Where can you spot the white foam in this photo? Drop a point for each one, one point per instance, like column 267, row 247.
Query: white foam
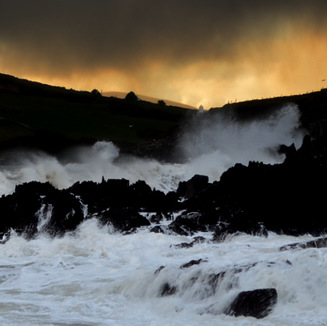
column 214, row 143
column 86, row 164
column 96, row 277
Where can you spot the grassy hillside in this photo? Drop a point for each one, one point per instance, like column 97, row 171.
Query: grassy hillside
column 52, row 118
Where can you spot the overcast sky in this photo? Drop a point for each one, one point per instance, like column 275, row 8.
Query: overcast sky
column 195, row 51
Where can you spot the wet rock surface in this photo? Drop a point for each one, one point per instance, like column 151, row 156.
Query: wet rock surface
column 256, row 303
column 318, row 243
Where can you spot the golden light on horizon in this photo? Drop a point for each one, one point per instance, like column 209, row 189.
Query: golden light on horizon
column 274, row 55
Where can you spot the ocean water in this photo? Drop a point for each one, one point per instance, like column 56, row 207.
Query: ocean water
column 96, row 276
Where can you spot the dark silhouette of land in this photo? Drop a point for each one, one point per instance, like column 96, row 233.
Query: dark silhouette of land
column 53, row 118
column 312, row 107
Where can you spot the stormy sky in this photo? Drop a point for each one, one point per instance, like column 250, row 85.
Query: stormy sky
column 194, row 51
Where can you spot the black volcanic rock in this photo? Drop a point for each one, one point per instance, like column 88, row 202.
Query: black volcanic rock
column 284, row 198
column 190, row 222
column 18, row 210
column 257, row 303
column 123, row 218
column 187, row 224
column 99, row 196
column 24, row 210
column 193, row 186
column 66, row 213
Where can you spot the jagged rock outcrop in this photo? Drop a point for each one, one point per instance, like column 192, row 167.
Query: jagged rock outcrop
column 33, row 203
column 192, row 187
column 284, row 198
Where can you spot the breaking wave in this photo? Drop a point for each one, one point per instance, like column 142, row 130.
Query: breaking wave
column 208, row 145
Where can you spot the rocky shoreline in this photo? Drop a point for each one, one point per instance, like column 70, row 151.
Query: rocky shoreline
column 285, row 198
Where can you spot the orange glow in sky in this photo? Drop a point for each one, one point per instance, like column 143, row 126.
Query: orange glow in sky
column 219, row 53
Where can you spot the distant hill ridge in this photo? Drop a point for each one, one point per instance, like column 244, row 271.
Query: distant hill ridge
column 16, row 85
column 148, row 99
column 52, row 118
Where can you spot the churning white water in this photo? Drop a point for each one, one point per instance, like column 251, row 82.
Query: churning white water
column 95, row 276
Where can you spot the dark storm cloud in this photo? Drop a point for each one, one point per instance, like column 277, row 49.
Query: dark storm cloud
column 58, row 35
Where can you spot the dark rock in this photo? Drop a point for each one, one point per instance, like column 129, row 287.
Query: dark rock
column 159, row 229
column 167, row 289
column 187, row 224
column 66, row 213
column 18, row 211
column 318, row 243
column 279, row 197
column 100, row 196
column 22, row 211
column 158, row 270
column 257, row 303
column 156, row 218
column 239, row 222
column 253, row 199
column 193, row 186
column 289, row 151
column 192, row 263
column 123, row 219
column 196, row 240
column 140, row 194
column 190, row 222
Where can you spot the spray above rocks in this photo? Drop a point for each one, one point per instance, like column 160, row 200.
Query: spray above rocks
column 213, row 142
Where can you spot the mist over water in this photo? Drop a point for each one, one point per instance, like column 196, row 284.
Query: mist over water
column 209, row 145
column 90, row 163
column 214, row 143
